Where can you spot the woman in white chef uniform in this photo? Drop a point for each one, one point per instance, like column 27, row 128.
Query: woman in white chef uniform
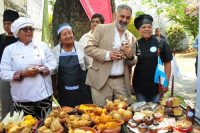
column 27, row 65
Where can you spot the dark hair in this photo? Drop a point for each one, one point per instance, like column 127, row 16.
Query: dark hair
column 101, row 18
column 10, row 15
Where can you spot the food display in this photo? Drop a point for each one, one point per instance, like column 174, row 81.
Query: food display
column 74, row 121
column 121, row 114
column 142, row 127
column 18, row 123
column 148, row 118
column 89, row 118
column 86, row 107
column 1, row 127
column 29, row 121
column 177, row 111
column 51, row 125
column 158, row 116
column 184, row 125
column 170, row 102
column 120, row 103
column 139, row 117
column 171, row 106
column 160, row 109
column 83, row 130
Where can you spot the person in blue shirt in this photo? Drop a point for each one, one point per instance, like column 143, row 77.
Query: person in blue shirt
column 195, row 45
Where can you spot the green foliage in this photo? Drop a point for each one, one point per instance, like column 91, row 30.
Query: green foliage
column 176, row 12
column 52, row 2
column 175, row 34
column 132, row 29
column 138, row 13
column 50, row 18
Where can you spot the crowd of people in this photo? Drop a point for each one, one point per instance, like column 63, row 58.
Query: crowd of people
column 91, row 70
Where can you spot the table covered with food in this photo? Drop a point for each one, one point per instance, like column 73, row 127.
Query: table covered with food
column 115, row 117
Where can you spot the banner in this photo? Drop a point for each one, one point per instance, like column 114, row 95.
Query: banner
column 102, row 7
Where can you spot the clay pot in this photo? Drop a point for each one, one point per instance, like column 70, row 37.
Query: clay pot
column 88, row 129
column 61, row 130
column 114, row 130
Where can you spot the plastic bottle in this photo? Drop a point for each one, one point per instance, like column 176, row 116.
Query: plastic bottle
column 190, row 114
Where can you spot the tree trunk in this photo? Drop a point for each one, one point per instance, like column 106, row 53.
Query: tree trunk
column 113, row 5
column 72, row 12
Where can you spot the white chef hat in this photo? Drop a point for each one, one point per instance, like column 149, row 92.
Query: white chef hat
column 21, row 23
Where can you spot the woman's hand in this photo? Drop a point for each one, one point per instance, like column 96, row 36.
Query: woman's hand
column 30, row 72
column 44, row 70
column 115, row 55
column 127, row 51
column 163, row 89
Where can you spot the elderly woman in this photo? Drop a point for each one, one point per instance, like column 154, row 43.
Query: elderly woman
column 72, row 90
column 27, row 65
column 147, row 52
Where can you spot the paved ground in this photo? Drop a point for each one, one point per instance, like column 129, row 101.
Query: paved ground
column 185, row 85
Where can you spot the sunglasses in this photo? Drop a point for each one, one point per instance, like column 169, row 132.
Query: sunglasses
column 26, row 29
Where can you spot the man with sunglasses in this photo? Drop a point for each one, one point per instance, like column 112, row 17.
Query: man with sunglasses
column 7, row 38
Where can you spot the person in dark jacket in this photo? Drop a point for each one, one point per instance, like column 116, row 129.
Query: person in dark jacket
column 7, row 38
column 158, row 34
column 147, row 49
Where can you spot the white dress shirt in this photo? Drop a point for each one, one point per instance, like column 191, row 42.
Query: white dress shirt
column 18, row 57
column 118, row 65
column 83, row 41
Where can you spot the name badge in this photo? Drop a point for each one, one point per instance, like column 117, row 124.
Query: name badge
column 153, row 49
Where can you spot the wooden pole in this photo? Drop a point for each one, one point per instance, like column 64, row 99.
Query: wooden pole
column 172, row 90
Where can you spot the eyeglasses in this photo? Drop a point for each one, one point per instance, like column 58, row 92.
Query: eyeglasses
column 26, row 29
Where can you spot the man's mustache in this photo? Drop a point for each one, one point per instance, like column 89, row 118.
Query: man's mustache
column 123, row 23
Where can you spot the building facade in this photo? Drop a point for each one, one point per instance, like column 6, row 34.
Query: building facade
column 29, row 8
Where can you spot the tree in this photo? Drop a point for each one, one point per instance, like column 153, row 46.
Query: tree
column 132, row 29
column 71, row 11
column 176, row 12
column 175, row 35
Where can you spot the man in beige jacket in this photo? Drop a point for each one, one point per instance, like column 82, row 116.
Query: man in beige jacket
column 109, row 74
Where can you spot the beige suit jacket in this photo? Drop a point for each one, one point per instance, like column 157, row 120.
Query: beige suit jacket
column 99, row 43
